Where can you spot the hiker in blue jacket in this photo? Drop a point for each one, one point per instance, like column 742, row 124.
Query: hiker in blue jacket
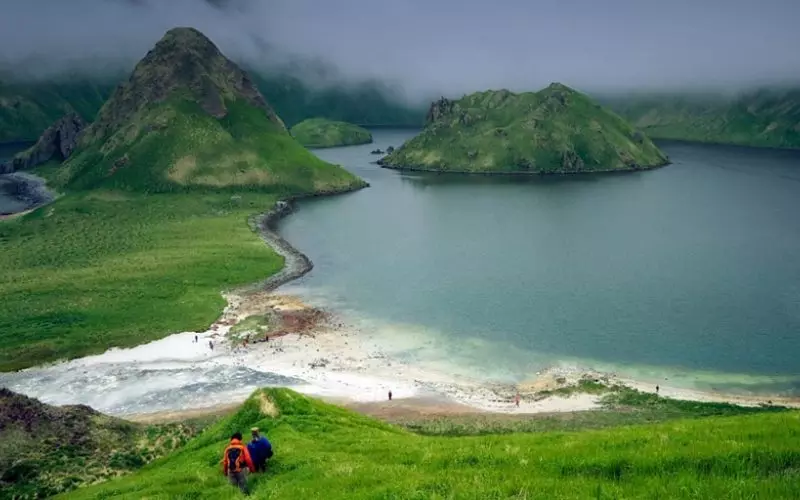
column 260, row 449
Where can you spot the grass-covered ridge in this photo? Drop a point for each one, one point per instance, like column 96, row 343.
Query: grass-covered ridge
column 323, row 451
column 555, row 130
column 323, row 133
column 762, row 118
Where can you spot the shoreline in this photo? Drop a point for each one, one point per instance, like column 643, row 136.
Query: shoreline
column 29, row 189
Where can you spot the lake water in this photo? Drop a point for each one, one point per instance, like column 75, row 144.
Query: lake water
column 689, row 272
column 8, row 203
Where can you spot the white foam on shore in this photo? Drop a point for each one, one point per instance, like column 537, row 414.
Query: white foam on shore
column 359, row 360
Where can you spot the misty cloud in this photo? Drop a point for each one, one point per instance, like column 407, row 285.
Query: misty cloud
column 430, row 46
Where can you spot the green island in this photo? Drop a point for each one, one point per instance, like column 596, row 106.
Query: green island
column 327, row 451
column 324, row 133
column 154, row 223
column 555, row 130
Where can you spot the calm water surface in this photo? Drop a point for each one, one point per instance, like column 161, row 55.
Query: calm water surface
column 9, row 204
column 690, row 271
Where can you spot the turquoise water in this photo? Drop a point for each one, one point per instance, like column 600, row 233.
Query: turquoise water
column 689, row 272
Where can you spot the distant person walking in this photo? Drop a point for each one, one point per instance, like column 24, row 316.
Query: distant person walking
column 516, row 399
column 260, row 450
column 195, row 339
column 657, row 389
column 211, row 345
column 235, row 461
column 390, row 395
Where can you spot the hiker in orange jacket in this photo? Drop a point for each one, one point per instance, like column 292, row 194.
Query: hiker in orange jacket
column 235, row 460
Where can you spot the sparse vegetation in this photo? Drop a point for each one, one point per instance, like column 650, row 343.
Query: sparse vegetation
column 46, row 450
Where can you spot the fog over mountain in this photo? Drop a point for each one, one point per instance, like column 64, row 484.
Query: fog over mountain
column 430, row 46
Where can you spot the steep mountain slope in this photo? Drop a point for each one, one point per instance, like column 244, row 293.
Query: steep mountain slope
column 367, row 103
column 45, row 450
column 189, row 117
column 324, row 133
column 322, row 451
column 555, row 130
column 764, row 118
column 28, row 108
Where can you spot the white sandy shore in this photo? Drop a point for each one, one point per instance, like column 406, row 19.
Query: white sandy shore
column 344, row 364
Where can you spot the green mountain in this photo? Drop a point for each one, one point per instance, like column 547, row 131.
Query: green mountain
column 27, row 109
column 323, row 451
column 324, row 133
column 368, row 103
column 764, row 118
column 555, row 130
column 189, row 117
column 46, row 450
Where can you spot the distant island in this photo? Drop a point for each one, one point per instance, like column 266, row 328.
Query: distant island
column 324, row 133
column 555, row 130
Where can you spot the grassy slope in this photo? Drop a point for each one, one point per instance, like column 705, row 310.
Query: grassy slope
column 109, row 268
column 109, row 265
column 27, row 109
column 175, row 146
column 767, row 118
column 46, row 450
column 324, row 133
column 502, row 132
column 326, row 452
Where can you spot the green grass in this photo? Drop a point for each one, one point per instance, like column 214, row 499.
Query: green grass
column 152, row 228
column 555, row 130
column 763, row 118
column 113, row 268
column 327, row 452
column 175, row 146
column 620, row 406
column 323, row 133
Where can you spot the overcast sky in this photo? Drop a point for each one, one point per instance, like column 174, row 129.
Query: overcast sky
column 434, row 46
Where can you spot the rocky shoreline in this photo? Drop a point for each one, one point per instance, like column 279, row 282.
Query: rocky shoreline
column 31, row 190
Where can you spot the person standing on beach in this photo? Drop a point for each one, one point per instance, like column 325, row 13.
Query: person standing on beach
column 195, row 339
column 390, row 395
column 211, row 345
column 235, row 461
column 516, row 399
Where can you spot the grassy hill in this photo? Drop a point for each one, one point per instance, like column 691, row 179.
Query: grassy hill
column 324, row 133
column 46, row 450
column 555, row 130
column 764, row 118
column 323, row 451
column 155, row 221
column 28, row 108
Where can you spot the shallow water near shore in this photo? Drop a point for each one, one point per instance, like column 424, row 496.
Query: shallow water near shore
column 688, row 273
column 685, row 276
column 8, row 203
